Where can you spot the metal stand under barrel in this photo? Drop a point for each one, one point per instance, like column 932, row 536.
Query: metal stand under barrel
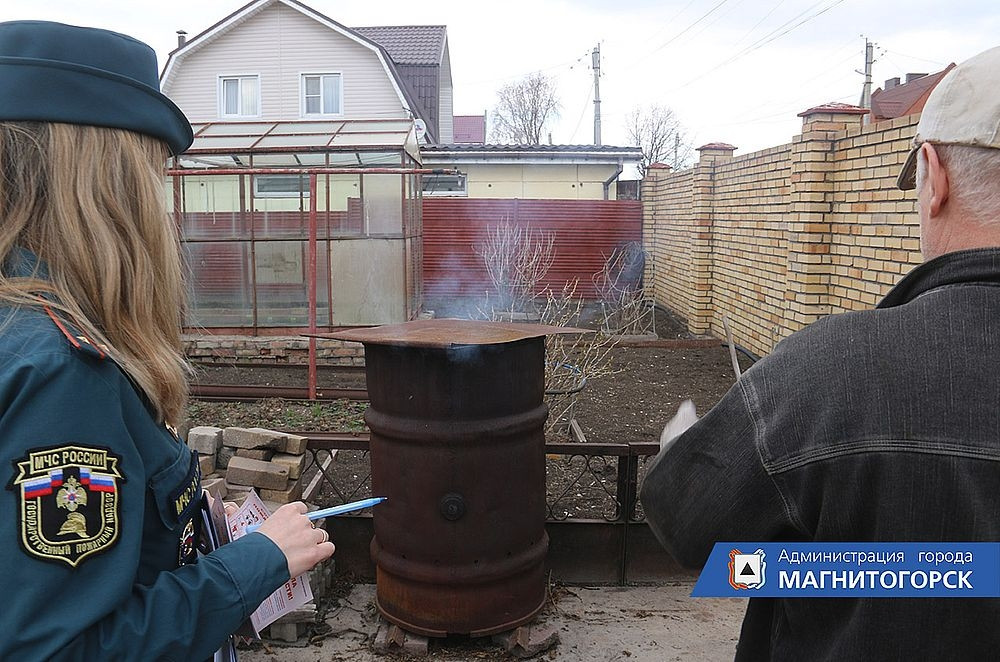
column 457, row 445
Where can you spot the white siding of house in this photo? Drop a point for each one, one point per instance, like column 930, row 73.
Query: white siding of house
column 446, row 120
column 280, row 43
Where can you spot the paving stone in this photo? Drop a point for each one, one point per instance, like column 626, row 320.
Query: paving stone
column 253, row 438
column 265, row 475
column 296, row 463
column 223, row 456
column 205, row 439
column 291, row 493
column 255, row 453
column 207, row 463
column 528, row 640
column 295, row 444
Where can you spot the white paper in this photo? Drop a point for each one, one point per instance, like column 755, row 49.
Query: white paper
column 292, row 594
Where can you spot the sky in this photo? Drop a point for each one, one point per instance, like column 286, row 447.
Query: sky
column 735, row 71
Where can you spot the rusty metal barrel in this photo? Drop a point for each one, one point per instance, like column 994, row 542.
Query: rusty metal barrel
column 457, row 445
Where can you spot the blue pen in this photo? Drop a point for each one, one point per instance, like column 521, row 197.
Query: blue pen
column 336, row 510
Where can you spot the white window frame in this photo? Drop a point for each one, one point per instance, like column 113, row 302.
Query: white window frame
column 221, row 95
column 463, row 193
column 302, row 92
column 302, row 192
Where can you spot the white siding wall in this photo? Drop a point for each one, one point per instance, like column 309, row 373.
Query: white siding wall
column 446, row 120
column 279, row 44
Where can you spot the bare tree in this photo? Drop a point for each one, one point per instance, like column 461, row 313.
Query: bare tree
column 657, row 131
column 524, row 109
column 517, row 258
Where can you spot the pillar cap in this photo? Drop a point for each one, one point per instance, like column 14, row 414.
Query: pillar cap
column 659, row 165
column 718, row 146
column 834, row 107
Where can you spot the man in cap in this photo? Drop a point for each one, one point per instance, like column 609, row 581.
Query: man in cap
column 879, row 425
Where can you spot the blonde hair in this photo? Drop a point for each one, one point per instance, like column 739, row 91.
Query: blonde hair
column 89, row 202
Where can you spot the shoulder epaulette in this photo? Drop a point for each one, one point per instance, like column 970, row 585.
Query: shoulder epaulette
column 76, row 338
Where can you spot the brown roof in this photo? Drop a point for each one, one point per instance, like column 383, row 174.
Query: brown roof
column 470, row 129
column 408, row 44
column 907, row 98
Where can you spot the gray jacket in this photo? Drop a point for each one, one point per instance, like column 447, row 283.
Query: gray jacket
column 880, row 425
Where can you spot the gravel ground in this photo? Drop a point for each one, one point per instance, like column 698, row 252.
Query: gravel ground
column 602, row 624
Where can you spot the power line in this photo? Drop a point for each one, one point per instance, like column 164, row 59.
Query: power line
column 914, row 57
column 568, row 63
column 764, row 41
column 757, row 24
column 667, row 23
column 682, row 32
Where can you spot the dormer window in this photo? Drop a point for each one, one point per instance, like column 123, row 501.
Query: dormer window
column 322, row 94
column 239, row 96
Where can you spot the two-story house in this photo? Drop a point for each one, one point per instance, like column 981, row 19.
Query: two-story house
column 283, row 60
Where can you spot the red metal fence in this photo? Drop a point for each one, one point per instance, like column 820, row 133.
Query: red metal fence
column 585, row 231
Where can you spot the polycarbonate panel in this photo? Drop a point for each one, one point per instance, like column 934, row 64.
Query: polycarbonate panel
column 220, row 143
column 383, row 204
column 367, row 277
column 365, row 139
column 291, row 128
column 230, row 129
column 299, row 140
column 211, row 208
column 218, row 284
column 283, row 283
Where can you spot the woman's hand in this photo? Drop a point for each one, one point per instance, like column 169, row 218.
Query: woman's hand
column 293, row 533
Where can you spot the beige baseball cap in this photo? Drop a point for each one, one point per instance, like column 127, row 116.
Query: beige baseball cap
column 964, row 109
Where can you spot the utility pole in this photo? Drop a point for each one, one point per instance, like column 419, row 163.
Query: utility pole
column 866, row 92
column 596, row 64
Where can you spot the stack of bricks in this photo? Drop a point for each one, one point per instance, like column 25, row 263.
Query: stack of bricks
column 223, row 350
column 234, row 460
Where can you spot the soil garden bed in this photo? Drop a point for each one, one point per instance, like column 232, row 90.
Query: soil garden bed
column 630, row 405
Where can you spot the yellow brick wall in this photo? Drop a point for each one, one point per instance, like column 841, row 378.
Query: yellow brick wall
column 778, row 238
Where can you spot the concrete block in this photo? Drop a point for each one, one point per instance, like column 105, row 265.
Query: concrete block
column 391, row 638
column 527, row 640
column 207, row 464
column 265, row 475
column 304, row 614
column 253, row 438
column 295, row 444
column 205, row 439
column 296, row 463
column 236, row 492
column 288, row 632
column 223, row 456
column 255, row 453
column 292, row 492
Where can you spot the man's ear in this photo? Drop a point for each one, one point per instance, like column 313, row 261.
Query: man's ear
column 936, row 180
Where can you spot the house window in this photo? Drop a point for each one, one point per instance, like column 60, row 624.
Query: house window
column 322, row 94
column 239, row 96
column 453, row 185
column 280, row 186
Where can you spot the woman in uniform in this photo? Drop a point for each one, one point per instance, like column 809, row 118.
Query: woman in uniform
column 96, row 493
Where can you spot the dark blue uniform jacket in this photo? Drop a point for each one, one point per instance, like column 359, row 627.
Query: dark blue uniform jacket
column 95, row 514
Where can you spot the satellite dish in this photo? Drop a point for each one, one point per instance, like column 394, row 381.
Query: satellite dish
column 421, row 129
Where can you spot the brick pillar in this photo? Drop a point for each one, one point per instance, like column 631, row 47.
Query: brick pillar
column 809, row 232
column 703, row 203
column 651, row 195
